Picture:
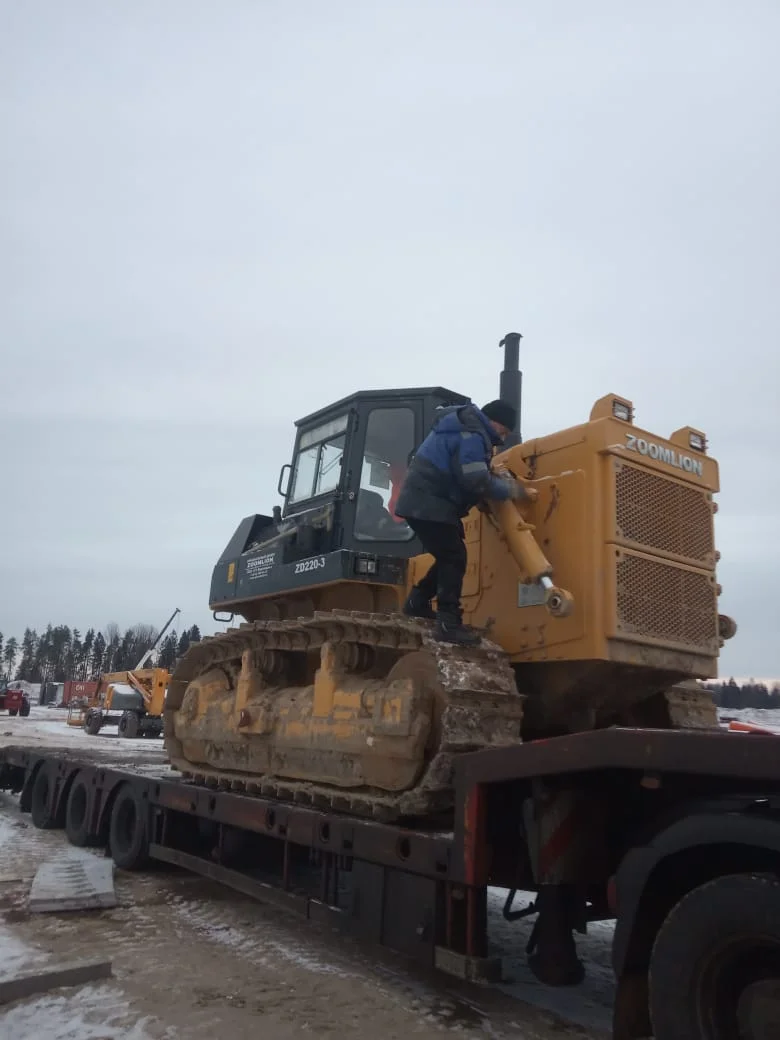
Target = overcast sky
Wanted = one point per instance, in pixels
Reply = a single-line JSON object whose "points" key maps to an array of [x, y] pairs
{"points": [[216, 217]]}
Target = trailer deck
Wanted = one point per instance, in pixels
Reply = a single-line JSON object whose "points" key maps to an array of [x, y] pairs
{"points": [[424, 892]]}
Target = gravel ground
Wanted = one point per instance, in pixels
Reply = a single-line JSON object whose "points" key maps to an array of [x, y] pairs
{"points": [[192, 960]]}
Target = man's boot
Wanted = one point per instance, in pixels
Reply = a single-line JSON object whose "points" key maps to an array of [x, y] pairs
{"points": [[450, 629], [418, 605]]}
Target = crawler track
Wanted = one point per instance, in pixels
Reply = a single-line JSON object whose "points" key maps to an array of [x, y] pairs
{"points": [[480, 705]]}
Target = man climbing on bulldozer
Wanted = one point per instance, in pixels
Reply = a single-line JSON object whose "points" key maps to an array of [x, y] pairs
{"points": [[449, 475]]}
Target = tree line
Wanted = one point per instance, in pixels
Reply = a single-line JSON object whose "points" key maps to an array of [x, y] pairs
{"points": [[61, 653], [745, 695]]}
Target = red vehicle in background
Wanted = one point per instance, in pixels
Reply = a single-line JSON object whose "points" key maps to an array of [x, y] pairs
{"points": [[13, 700]]}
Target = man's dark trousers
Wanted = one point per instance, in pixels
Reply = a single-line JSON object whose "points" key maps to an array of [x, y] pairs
{"points": [[445, 543]]}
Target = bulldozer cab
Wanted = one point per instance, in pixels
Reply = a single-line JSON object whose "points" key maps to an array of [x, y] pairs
{"points": [[339, 491], [356, 453], [350, 460]]}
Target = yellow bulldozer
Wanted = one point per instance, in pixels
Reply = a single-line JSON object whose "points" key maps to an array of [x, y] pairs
{"points": [[597, 603]]}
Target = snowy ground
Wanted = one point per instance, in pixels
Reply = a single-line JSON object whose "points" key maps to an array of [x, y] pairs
{"points": [[760, 717], [47, 727], [192, 960]]}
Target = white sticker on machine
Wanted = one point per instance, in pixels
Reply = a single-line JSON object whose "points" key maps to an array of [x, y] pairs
{"points": [[530, 595]]}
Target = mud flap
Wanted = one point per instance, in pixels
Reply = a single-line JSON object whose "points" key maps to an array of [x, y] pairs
{"points": [[394, 908]]}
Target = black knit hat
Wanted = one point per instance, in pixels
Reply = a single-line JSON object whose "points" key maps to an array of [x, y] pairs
{"points": [[501, 412]]}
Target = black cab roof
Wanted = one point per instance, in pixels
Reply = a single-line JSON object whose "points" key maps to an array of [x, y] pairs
{"points": [[443, 396]]}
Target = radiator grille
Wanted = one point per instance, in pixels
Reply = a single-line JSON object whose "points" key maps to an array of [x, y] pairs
{"points": [[663, 514], [661, 601]]}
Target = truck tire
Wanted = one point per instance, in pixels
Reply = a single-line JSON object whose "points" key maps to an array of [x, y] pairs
{"points": [[41, 809], [152, 727], [129, 724], [718, 944], [93, 722], [128, 835], [13, 711], [24, 711], [77, 814]]}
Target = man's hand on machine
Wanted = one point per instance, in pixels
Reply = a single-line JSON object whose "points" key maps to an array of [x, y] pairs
{"points": [[521, 493], [517, 491]]}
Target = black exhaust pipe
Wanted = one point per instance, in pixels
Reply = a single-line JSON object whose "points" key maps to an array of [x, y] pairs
{"points": [[511, 383]]}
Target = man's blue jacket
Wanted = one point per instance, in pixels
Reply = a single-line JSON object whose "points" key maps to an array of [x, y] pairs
{"points": [[450, 473]]}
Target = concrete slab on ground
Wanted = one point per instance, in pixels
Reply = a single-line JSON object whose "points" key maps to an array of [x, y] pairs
{"points": [[74, 880]]}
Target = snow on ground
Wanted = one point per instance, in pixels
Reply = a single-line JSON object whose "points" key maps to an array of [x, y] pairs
{"points": [[47, 727], [85, 1013], [15, 955], [760, 716]]}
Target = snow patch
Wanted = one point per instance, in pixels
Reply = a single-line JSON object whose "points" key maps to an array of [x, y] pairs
{"points": [[15, 956], [83, 1013], [9, 831], [759, 716]]}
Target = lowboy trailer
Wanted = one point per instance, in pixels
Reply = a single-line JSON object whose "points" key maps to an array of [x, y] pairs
{"points": [[674, 834]]}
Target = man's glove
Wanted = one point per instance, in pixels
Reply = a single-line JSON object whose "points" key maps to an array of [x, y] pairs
{"points": [[520, 493]]}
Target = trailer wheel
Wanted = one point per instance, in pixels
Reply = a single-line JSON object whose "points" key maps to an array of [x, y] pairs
{"points": [[129, 724], [712, 955], [41, 809], [24, 711], [77, 814], [128, 837], [13, 711]]}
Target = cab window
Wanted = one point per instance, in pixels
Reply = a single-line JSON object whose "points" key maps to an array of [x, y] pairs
{"points": [[318, 463], [388, 446]]}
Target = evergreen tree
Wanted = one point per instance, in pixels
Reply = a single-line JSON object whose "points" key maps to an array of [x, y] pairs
{"points": [[96, 665], [43, 655], [9, 656], [73, 656], [28, 665], [60, 653], [111, 655], [730, 695], [167, 652], [85, 664]]}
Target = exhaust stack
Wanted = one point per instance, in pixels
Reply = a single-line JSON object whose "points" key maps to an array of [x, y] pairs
{"points": [[511, 382]]}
